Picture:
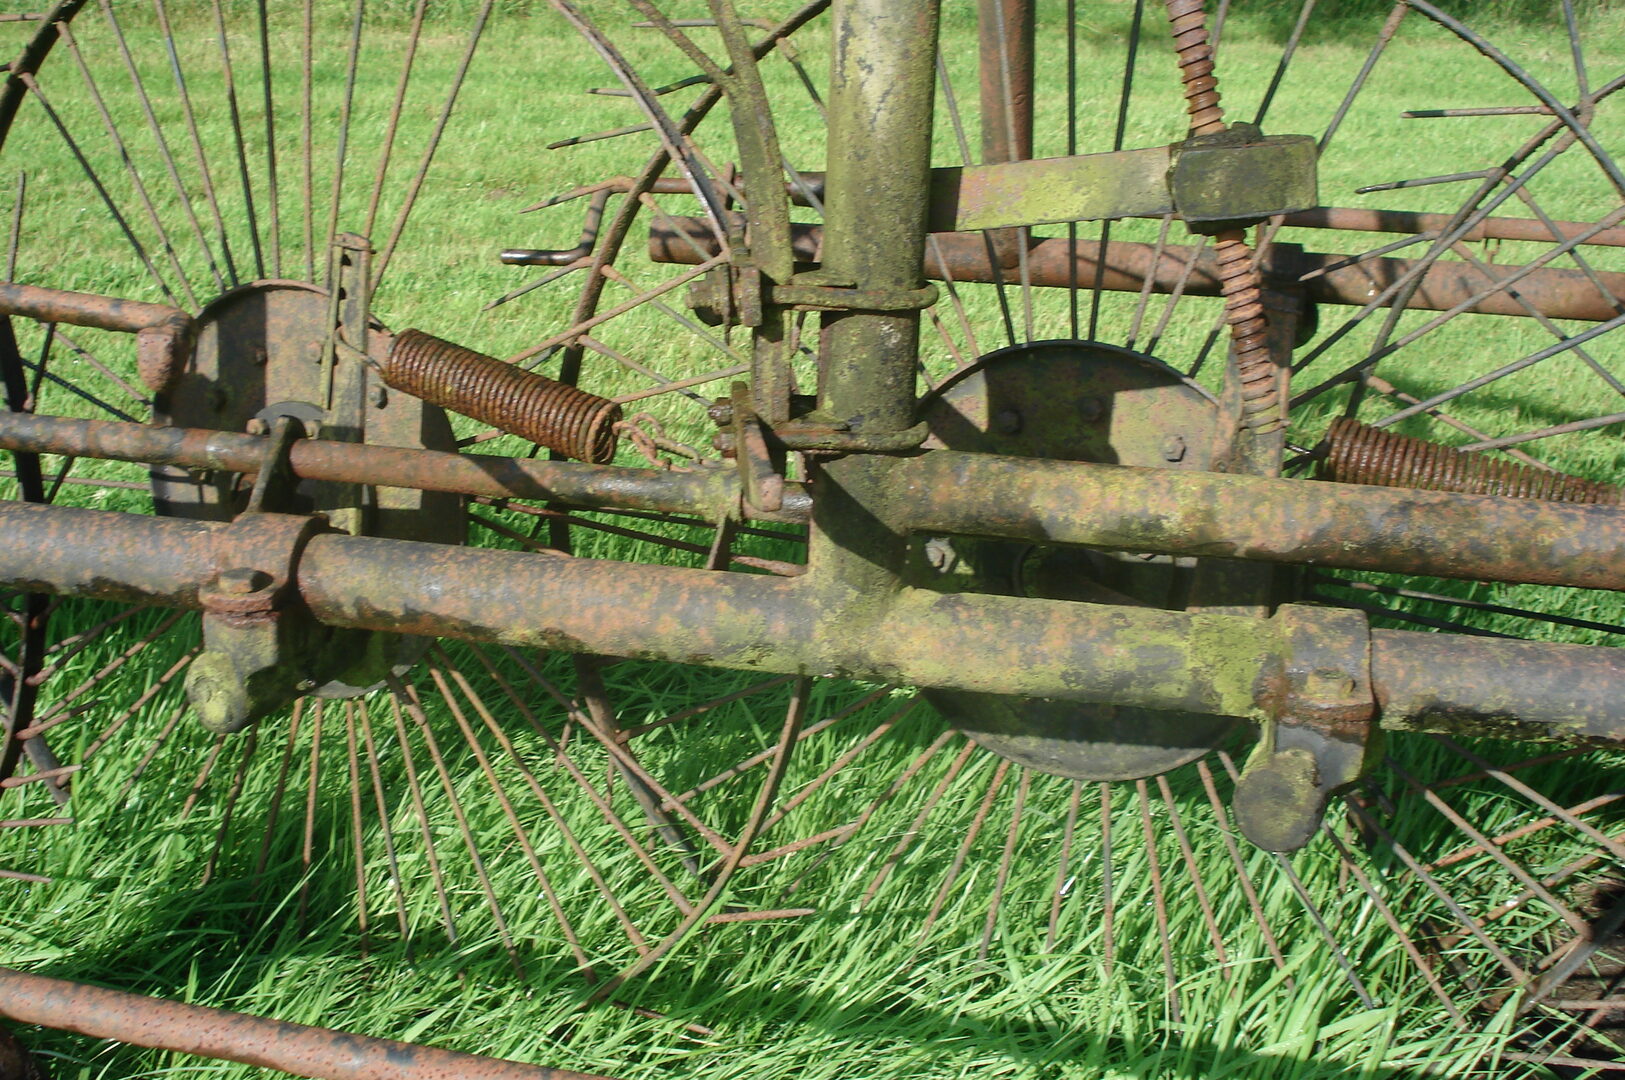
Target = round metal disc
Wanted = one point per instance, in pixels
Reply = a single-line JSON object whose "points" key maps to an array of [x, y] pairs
{"points": [[258, 356], [259, 348], [1070, 401]]}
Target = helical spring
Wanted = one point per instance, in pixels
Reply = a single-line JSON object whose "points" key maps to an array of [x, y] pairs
{"points": [[562, 418], [1238, 278], [1357, 453]]}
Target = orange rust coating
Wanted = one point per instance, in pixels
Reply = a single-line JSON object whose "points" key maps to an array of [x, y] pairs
{"points": [[1188, 22], [562, 418], [1358, 453], [1053, 263], [252, 1040], [164, 335], [1240, 281]]}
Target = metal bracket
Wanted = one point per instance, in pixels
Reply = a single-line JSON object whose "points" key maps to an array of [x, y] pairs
{"points": [[1236, 176], [761, 468], [261, 647], [1241, 176], [1319, 733], [804, 296], [275, 482]]}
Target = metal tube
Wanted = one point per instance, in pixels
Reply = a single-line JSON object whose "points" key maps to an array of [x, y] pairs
{"points": [[707, 493], [876, 195], [1444, 534], [882, 77], [1052, 263], [993, 644], [1515, 689], [253, 1040], [102, 554]]}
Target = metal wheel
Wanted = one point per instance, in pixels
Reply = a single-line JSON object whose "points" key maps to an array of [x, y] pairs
{"points": [[566, 813]]}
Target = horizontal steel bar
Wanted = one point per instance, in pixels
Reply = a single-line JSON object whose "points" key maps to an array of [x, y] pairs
{"points": [[164, 334], [1515, 689], [1359, 219], [253, 1040], [1355, 526], [1352, 526], [708, 493], [810, 186], [1003, 645], [1054, 263]]}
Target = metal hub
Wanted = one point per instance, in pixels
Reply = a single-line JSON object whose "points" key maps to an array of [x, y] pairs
{"points": [[259, 355], [1071, 401], [263, 355]]}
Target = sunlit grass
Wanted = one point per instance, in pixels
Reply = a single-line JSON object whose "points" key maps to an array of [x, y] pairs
{"points": [[857, 989]]}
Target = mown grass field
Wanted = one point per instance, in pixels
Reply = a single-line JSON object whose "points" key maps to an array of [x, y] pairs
{"points": [[230, 873]]}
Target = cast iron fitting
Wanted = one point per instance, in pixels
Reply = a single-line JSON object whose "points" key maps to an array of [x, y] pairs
{"points": [[564, 419], [1358, 453]]}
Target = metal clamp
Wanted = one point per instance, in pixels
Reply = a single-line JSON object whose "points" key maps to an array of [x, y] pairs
{"points": [[261, 648], [1239, 177], [813, 297], [1319, 732]]}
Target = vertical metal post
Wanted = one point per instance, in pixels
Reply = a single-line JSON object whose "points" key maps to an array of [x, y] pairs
{"points": [[876, 194], [1004, 31]]}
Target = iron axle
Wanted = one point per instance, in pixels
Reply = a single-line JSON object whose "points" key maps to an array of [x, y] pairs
{"points": [[1215, 664]]}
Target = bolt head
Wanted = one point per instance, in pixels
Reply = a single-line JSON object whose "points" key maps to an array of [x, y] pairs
{"points": [[1091, 409], [256, 426], [1173, 448], [1007, 422], [241, 580]]}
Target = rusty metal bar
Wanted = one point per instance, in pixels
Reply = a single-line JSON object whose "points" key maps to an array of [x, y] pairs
{"points": [[109, 556], [1355, 526], [1025, 647], [1444, 534], [253, 1040], [1515, 689], [1357, 219], [1555, 293], [163, 334], [881, 87], [707, 493], [946, 193]]}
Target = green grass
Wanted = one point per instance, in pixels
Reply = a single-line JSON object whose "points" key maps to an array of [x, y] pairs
{"points": [[856, 990]]}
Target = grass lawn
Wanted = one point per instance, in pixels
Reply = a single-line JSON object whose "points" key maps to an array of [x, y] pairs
{"points": [[437, 864]]}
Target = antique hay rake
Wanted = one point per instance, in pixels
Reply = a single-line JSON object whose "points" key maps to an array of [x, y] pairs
{"points": [[1198, 512]]}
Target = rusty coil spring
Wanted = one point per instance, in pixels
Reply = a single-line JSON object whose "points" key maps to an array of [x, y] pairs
{"points": [[1357, 453], [1238, 277], [562, 418]]}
